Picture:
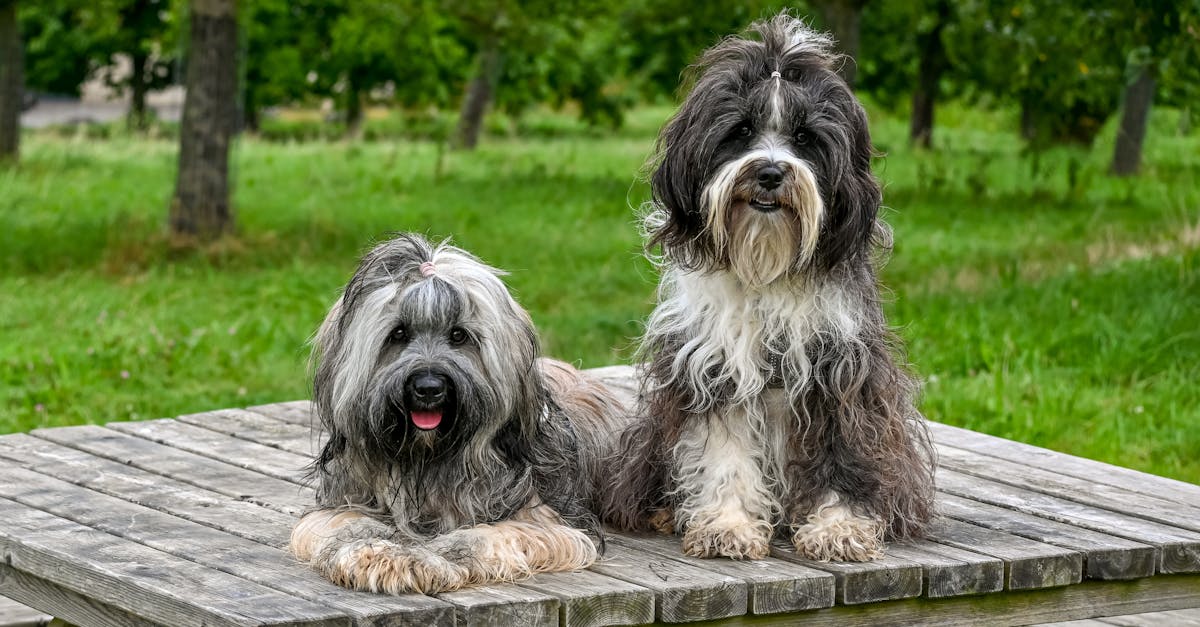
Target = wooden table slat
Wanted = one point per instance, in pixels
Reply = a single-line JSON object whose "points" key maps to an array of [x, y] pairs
{"points": [[682, 593], [1179, 549], [588, 599], [502, 604], [1105, 556], [268, 566], [949, 571], [255, 427], [64, 603], [773, 585], [248, 520], [141, 580], [1064, 464], [241, 453], [1071, 488], [1027, 563], [884, 579], [197, 470], [295, 412]]}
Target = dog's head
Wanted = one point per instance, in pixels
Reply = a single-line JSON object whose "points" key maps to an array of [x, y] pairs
{"points": [[766, 168], [425, 349]]}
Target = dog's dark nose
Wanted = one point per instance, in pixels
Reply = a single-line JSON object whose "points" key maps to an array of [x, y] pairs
{"points": [[428, 388], [770, 176]]}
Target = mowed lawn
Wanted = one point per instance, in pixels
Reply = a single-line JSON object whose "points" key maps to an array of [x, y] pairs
{"points": [[1045, 302]]}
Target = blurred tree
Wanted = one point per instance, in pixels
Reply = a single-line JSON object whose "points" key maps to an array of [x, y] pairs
{"points": [[201, 207], [931, 64], [141, 31], [843, 18], [284, 42], [11, 89], [58, 46]]}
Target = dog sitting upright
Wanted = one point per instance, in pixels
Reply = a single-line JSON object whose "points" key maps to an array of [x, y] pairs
{"points": [[772, 400], [452, 454]]}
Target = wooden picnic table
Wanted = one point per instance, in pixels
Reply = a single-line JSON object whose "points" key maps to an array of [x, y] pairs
{"points": [[184, 521]]}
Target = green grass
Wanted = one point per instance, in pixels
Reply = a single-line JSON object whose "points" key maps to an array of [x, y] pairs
{"points": [[1043, 302]]}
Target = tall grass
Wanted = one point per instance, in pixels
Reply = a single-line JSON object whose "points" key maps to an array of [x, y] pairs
{"points": [[1041, 299]]}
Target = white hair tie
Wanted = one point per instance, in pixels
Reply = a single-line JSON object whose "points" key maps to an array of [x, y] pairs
{"points": [[776, 74], [427, 269]]}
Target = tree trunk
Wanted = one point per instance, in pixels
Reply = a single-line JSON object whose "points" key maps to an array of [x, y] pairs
{"points": [[478, 96], [842, 18], [354, 110], [930, 65], [137, 90], [1139, 95], [201, 207], [11, 80]]}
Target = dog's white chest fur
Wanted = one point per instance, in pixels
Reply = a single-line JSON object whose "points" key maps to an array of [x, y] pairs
{"points": [[736, 338]]}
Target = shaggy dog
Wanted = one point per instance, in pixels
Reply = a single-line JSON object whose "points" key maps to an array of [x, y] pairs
{"points": [[772, 400], [452, 454]]}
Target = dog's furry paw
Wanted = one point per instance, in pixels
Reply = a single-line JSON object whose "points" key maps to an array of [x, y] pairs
{"points": [[389, 568], [745, 541], [835, 533], [663, 520]]}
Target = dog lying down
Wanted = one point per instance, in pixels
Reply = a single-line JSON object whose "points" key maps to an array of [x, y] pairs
{"points": [[452, 454]]}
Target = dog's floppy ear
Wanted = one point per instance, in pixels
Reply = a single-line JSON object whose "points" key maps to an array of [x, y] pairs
{"points": [[676, 186], [855, 197]]}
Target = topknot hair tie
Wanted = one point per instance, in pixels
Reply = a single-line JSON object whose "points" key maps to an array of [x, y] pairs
{"points": [[776, 74], [427, 269]]}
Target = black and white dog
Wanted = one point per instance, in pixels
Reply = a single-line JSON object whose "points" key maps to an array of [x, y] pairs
{"points": [[452, 454], [772, 400]]}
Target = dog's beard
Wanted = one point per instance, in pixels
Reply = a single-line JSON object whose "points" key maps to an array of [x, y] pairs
{"points": [[761, 246]]}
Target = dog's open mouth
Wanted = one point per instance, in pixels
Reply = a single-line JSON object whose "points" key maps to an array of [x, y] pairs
{"points": [[426, 420], [765, 205]]}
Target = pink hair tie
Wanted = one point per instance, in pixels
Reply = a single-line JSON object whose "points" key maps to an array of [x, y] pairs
{"points": [[427, 269]]}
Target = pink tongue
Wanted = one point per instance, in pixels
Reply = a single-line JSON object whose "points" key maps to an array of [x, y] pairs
{"points": [[427, 419]]}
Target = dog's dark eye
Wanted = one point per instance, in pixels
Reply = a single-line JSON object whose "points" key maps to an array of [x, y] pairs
{"points": [[743, 130], [458, 336], [399, 335], [802, 137]]}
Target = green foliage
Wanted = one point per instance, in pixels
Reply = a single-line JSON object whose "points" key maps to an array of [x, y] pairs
{"points": [[58, 48]]}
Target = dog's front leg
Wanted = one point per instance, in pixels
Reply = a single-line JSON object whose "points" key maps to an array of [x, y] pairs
{"points": [[513, 550], [725, 504], [354, 550], [838, 530]]}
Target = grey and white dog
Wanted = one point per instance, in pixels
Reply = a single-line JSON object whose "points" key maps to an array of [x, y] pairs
{"points": [[452, 454], [773, 399]]}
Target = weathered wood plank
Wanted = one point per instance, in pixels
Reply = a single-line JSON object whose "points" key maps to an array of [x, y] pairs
{"points": [[949, 571], [13, 614], [1105, 556], [1064, 464], [270, 567], [682, 593], [1179, 549], [773, 585], [1070, 488], [248, 520], [1176, 618], [864, 582], [499, 605], [141, 580], [295, 412], [1022, 607], [1027, 563], [188, 467], [66, 604], [231, 450], [587, 599], [255, 427]]}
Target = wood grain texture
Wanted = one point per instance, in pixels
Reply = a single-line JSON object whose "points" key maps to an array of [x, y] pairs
{"points": [[949, 571], [142, 581], [66, 604], [588, 599], [1179, 549], [13, 614], [255, 427], [773, 585], [1027, 563], [1071, 488], [268, 566], [295, 412], [682, 593], [864, 582], [1086, 600], [241, 453], [187, 501], [197, 470], [501, 605], [1105, 556], [1064, 464]]}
